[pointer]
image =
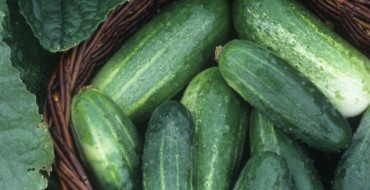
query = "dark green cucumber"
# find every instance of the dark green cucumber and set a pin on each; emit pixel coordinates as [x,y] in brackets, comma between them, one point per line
[164,55]
[265,170]
[353,168]
[338,69]
[109,144]
[287,98]
[221,124]
[264,136]
[168,160]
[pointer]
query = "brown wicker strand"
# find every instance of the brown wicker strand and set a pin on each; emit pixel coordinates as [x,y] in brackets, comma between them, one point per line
[50,105]
[70,158]
[74,70]
[69,180]
[64,126]
[64,185]
[59,152]
[77,64]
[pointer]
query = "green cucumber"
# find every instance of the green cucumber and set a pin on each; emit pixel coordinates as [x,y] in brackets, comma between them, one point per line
[353,168]
[168,159]
[108,142]
[164,55]
[265,170]
[221,121]
[264,136]
[338,69]
[283,95]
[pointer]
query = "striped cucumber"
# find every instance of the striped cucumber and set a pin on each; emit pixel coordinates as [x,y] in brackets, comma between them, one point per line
[288,99]
[168,160]
[221,124]
[338,69]
[353,168]
[264,136]
[164,55]
[265,170]
[108,142]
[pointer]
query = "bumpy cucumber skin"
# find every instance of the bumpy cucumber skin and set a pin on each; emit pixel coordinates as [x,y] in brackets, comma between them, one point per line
[338,69]
[264,136]
[353,168]
[287,98]
[265,170]
[221,118]
[109,144]
[168,159]
[164,55]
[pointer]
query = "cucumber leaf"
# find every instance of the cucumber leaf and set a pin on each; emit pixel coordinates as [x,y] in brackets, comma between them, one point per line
[4,10]
[62,24]
[26,152]
[27,55]
[3,6]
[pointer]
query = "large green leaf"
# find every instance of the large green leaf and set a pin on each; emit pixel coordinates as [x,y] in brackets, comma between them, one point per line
[26,150]
[27,55]
[62,24]
[3,6]
[4,9]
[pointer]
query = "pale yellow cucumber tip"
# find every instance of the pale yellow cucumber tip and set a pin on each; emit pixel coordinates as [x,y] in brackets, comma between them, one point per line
[218,52]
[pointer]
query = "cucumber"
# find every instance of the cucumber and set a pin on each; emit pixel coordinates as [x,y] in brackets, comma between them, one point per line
[287,98]
[265,170]
[354,165]
[264,136]
[338,69]
[221,121]
[108,142]
[168,159]
[164,55]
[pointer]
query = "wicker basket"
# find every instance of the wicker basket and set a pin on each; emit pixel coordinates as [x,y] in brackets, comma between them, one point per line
[76,66]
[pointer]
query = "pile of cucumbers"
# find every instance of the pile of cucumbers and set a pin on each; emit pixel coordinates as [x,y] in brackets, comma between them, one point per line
[207,84]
